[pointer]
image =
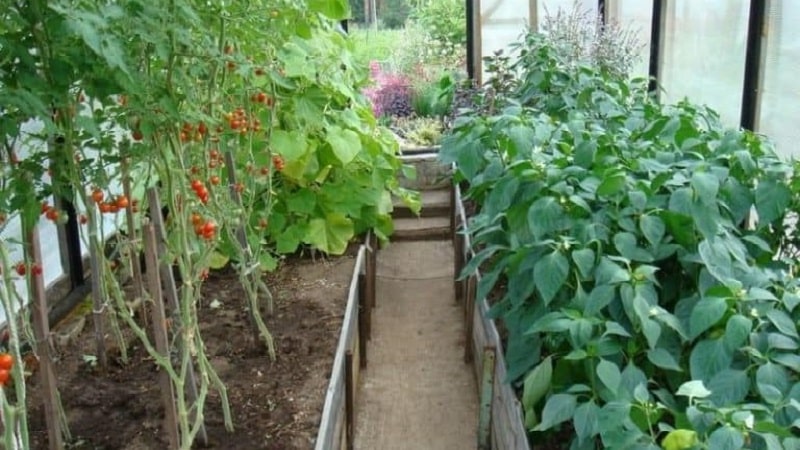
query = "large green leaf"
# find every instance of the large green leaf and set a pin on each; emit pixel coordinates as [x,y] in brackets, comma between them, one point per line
[783,322]
[717,259]
[663,359]
[345,144]
[331,234]
[705,314]
[726,438]
[550,273]
[729,387]
[332,9]
[611,185]
[585,261]
[292,145]
[653,228]
[737,330]
[708,358]
[559,408]
[545,216]
[586,420]
[706,187]
[609,374]
[772,199]
[537,383]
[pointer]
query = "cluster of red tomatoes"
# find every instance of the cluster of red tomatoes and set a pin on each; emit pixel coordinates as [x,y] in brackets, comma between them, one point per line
[203,228]
[22,269]
[6,363]
[239,121]
[194,133]
[111,207]
[200,189]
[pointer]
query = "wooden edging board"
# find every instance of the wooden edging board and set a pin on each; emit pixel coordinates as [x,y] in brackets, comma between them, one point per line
[507,420]
[337,423]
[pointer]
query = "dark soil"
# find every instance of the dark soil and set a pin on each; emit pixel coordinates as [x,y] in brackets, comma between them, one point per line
[275,404]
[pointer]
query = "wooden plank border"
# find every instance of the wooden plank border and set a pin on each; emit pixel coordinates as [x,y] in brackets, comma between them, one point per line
[507,424]
[336,425]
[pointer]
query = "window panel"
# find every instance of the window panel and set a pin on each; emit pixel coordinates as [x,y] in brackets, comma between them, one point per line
[704,54]
[635,16]
[780,96]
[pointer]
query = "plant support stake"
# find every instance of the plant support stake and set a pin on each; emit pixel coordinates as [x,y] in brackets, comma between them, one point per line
[41,332]
[160,336]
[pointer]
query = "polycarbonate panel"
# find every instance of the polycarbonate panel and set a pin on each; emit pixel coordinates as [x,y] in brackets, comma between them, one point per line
[780,96]
[704,54]
[634,16]
[544,7]
[503,22]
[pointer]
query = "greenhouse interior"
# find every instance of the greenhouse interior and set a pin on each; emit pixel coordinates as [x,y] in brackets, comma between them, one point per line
[399,224]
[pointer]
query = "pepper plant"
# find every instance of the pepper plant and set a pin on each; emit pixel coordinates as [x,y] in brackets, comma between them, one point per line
[643,302]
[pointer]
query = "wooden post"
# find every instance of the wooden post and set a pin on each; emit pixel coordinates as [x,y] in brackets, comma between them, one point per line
[159,321]
[453,213]
[41,332]
[458,261]
[485,405]
[349,399]
[364,321]
[372,272]
[98,302]
[171,292]
[469,308]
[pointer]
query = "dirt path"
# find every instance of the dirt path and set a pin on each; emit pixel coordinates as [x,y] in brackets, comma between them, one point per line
[417,393]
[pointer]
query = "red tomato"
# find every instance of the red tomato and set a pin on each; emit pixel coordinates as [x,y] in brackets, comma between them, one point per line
[6,361]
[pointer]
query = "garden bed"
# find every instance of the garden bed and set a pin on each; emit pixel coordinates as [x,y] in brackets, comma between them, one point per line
[501,421]
[275,404]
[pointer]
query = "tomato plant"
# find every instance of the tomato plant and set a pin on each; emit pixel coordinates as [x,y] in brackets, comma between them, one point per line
[185,98]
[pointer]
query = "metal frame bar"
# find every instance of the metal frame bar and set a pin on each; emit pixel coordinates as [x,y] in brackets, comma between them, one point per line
[753,66]
[470,5]
[656,43]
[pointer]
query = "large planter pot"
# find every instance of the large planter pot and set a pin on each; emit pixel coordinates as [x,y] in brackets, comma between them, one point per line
[430,173]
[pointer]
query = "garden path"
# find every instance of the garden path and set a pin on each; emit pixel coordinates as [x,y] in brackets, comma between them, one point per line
[416,393]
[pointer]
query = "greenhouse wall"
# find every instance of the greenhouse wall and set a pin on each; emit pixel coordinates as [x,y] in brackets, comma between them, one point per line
[701,54]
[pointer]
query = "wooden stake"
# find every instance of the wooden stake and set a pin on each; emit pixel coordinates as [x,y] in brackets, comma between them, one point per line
[98,302]
[349,397]
[159,321]
[363,320]
[171,292]
[372,272]
[485,406]
[41,332]
[469,308]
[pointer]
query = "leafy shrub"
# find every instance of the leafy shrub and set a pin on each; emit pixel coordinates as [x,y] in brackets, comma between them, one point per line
[581,37]
[390,93]
[395,14]
[424,131]
[639,305]
[444,22]
[434,99]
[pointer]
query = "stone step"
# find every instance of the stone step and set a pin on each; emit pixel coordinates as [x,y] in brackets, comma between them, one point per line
[421,229]
[434,204]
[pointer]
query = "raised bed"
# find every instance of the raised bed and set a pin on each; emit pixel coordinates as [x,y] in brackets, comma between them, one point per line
[279,404]
[501,422]
[337,426]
